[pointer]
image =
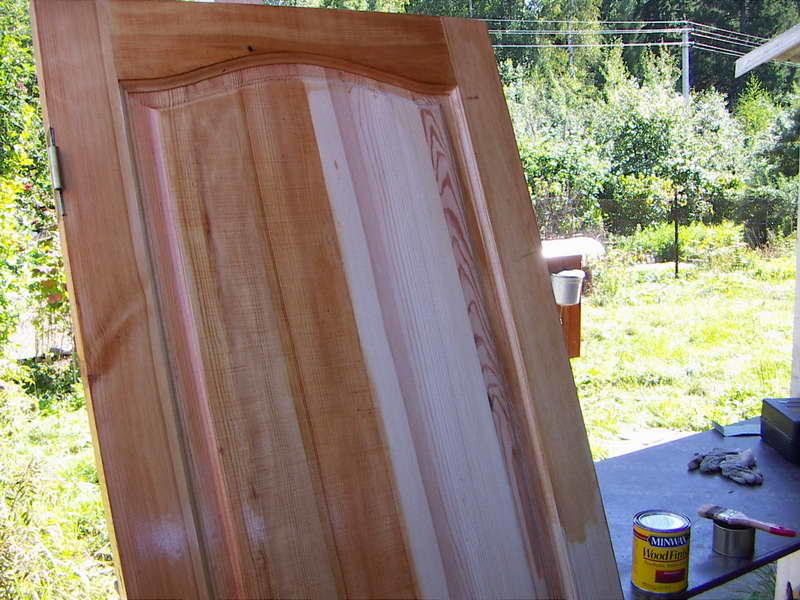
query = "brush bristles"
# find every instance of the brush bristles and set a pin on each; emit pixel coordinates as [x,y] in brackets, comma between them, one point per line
[709,511]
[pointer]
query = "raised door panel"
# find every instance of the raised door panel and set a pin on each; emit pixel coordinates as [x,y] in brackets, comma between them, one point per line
[286,205]
[268,372]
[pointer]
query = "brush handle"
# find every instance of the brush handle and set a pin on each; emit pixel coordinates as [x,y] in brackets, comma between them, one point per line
[728,516]
[768,527]
[781,530]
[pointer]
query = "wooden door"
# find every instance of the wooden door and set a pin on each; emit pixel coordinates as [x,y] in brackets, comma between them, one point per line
[315,327]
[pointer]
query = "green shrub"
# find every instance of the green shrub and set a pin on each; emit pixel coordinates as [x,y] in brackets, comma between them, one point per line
[564,180]
[53,380]
[30,259]
[755,110]
[766,210]
[631,201]
[11,260]
[716,245]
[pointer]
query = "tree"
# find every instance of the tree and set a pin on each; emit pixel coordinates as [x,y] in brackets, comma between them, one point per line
[755,110]
[764,18]
[565,181]
[783,153]
[36,268]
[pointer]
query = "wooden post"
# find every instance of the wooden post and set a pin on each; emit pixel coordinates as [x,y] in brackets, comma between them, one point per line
[570,316]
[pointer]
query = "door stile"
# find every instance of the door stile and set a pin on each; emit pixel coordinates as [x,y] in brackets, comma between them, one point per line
[550,410]
[115,312]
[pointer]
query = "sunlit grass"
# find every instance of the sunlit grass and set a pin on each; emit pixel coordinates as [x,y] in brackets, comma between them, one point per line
[661,352]
[53,539]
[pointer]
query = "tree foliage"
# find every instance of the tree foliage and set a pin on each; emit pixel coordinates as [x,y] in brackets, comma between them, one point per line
[31,273]
[764,18]
[641,149]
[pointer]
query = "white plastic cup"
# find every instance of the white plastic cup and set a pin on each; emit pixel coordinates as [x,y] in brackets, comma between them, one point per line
[567,286]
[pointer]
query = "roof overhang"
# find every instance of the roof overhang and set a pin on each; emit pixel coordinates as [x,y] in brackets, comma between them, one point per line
[786,47]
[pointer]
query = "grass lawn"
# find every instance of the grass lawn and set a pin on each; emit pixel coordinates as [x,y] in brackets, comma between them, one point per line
[53,540]
[664,353]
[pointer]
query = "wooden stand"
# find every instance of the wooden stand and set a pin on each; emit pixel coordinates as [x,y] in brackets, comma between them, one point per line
[570,315]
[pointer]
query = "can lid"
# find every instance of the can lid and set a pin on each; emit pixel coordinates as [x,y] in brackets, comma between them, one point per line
[662,520]
[569,274]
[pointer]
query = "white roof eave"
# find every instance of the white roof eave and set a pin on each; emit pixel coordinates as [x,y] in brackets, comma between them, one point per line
[785,46]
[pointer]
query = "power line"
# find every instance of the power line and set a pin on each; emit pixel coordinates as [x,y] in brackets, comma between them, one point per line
[621,44]
[713,28]
[724,39]
[669,31]
[582,31]
[738,54]
[717,49]
[707,34]
[711,33]
[729,36]
[739,33]
[700,29]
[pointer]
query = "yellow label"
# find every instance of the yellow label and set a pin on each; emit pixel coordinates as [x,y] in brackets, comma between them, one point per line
[660,560]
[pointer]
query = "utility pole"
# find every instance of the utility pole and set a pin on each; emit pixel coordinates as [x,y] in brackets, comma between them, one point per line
[686,99]
[685,64]
[570,49]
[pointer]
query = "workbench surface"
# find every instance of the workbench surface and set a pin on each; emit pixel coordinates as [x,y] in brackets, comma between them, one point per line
[657,478]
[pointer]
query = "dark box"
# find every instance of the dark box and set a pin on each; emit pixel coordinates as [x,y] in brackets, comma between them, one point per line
[780,426]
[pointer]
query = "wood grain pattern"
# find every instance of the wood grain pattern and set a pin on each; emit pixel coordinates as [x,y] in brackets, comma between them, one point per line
[547,396]
[255,243]
[116,320]
[431,340]
[289,279]
[420,533]
[514,443]
[143,35]
[471,456]
[516,429]
[281,58]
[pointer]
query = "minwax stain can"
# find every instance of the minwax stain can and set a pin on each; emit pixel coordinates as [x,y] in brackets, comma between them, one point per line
[660,552]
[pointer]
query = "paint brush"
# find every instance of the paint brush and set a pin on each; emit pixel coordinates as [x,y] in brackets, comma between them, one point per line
[728,516]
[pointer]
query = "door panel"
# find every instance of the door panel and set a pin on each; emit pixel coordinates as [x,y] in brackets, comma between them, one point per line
[289,290]
[237,181]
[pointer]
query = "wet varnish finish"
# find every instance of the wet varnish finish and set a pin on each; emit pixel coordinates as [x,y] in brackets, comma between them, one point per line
[316,367]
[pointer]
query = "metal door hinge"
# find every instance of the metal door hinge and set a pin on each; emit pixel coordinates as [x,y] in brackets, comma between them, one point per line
[55,173]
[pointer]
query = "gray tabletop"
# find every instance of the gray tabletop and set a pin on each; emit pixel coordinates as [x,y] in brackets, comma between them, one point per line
[657,478]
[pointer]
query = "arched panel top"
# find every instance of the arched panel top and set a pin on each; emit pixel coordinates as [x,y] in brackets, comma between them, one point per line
[143,38]
[250,70]
[309,223]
